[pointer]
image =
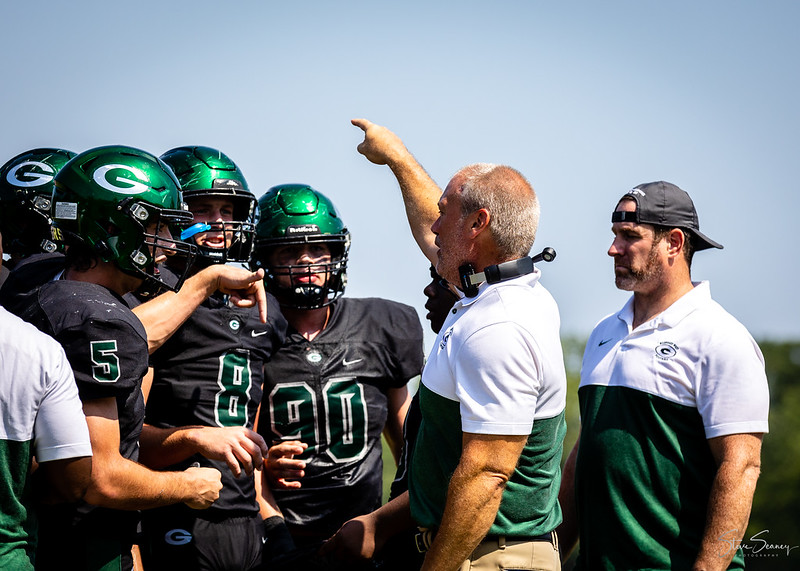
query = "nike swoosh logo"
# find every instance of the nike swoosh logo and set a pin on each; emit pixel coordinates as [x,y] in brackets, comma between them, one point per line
[257,333]
[603,342]
[347,363]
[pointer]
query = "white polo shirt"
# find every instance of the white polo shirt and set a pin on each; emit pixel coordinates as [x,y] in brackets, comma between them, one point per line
[650,398]
[496,368]
[694,354]
[499,356]
[40,415]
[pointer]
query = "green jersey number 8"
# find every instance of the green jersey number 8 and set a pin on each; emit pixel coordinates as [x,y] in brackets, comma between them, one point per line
[234,382]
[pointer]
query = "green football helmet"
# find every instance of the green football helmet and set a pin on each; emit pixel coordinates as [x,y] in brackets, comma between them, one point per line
[122,204]
[26,190]
[206,172]
[295,214]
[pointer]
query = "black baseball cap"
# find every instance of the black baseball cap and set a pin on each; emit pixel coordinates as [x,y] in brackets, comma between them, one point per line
[664,204]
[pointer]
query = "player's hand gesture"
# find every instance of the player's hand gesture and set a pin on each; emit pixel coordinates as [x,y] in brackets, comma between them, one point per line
[246,288]
[280,467]
[239,447]
[204,485]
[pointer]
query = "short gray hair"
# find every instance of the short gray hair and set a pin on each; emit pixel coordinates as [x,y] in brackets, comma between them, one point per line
[511,202]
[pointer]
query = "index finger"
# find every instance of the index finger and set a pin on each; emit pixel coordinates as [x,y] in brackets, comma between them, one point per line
[261,300]
[362,124]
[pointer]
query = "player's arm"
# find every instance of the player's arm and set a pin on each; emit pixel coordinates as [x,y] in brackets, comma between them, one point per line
[63,464]
[147,383]
[568,530]
[738,458]
[239,447]
[277,539]
[473,496]
[362,537]
[120,483]
[399,400]
[420,193]
[163,315]
[64,480]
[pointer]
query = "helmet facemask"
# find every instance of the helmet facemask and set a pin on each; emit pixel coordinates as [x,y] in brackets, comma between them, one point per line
[239,233]
[302,293]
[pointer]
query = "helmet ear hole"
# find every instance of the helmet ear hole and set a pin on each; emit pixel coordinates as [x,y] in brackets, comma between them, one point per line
[103,250]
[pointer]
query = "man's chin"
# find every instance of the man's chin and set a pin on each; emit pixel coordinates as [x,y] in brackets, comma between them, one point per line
[625,281]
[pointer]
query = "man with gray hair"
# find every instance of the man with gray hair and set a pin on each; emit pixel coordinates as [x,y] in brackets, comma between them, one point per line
[485,471]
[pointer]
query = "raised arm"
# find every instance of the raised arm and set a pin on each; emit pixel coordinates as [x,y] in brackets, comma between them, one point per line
[420,194]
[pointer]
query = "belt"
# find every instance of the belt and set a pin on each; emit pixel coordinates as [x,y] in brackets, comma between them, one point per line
[424,538]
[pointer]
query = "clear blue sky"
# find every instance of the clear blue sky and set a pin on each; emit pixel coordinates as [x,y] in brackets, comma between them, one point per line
[587,99]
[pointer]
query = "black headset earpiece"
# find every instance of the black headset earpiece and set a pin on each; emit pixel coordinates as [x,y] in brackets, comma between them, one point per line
[500,272]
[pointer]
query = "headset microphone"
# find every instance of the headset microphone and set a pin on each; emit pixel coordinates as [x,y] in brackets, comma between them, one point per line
[500,272]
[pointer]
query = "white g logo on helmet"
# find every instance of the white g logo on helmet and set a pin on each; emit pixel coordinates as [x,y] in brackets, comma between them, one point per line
[39,178]
[137,186]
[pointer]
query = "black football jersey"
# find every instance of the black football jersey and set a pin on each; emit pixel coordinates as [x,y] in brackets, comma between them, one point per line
[106,346]
[105,343]
[331,393]
[210,373]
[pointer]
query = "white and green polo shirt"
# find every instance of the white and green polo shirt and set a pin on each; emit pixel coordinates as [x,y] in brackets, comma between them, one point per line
[650,399]
[40,415]
[496,368]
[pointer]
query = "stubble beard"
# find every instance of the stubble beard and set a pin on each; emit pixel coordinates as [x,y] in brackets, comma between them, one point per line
[634,279]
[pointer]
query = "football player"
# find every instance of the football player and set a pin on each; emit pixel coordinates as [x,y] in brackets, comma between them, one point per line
[207,384]
[114,207]
[399,552]
[26,187]
[340,379]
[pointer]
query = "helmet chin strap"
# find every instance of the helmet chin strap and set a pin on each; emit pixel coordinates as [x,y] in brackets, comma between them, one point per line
[470,280]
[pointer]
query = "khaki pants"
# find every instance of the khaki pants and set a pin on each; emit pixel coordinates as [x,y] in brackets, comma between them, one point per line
[499,554]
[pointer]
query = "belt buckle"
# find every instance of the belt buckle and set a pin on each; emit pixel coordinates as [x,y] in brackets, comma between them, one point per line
[423,539]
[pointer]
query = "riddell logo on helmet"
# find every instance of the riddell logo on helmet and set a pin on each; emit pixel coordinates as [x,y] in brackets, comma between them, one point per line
[135,183]
[304,229]
[34,178]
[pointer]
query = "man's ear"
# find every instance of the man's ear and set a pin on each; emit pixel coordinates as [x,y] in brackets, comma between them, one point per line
[479,221]
[675,241]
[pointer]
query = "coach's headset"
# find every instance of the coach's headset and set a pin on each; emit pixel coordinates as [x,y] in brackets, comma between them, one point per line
[500,272]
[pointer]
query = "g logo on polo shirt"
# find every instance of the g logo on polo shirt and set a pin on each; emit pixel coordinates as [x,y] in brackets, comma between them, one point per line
[666,350]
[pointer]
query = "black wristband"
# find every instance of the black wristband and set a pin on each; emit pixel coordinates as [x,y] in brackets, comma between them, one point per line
[277,540]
